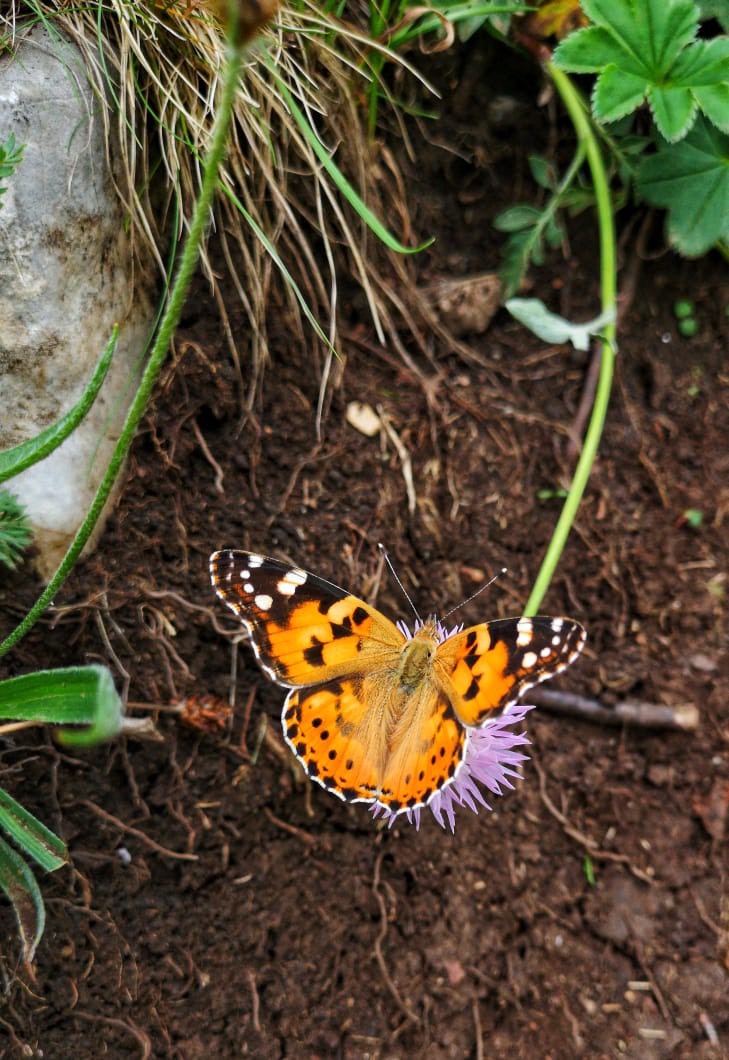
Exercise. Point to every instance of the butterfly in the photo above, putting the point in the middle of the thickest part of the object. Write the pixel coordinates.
(375, 715)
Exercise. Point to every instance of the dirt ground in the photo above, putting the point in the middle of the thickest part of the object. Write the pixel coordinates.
(218, 904)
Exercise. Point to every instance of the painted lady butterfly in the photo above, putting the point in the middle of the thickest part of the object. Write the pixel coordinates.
(375, 715)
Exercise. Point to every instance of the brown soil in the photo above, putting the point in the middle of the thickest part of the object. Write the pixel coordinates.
(218, 904)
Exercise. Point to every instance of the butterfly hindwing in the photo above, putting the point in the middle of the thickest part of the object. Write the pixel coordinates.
(339, 733)
(490, 666)
(303, 629)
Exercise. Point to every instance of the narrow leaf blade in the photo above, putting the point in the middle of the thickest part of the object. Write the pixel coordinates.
(39, 842)
(23, 893)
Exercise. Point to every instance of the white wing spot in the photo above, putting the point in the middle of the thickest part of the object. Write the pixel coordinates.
(557, 624)
(556, 641)
(263, 602)
(529, 659)
(295, 576)
(545, 653)
(248, 587)
(285, 587)
(524, 632)
(245, 575)
(255, 561)
(229, 575)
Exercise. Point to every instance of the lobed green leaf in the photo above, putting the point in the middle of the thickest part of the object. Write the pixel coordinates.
(648, 48)
(552, 328)
(691, 180)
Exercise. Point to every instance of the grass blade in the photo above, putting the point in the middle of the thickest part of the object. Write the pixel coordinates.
(39, 842)
(24, 895)
(321, 152)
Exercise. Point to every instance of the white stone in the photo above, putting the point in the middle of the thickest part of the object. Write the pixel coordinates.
(66, 276)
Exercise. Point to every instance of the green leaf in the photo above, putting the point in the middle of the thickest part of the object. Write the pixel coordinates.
(533, 314)
(11, 155)
(691, 179)
(714, 102)
(674, 109)
(693, 517)
(28, 832)
(542, 172)
(648, 48)
(516, 218)
(586, 51)
(77, 695)
(19, 884)
(617, 93)
(13, 461)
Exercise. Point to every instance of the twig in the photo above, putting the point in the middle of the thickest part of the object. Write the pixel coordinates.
(17, 726)
(209, 457)
(291, 828)
(255, 1003)
(406, 463)
(141, 1036)
(136, 832)
(477, 1029)
(247, 717)
(381, 938)
(587, 400)
(682, 716)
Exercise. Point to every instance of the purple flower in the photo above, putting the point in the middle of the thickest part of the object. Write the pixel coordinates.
(491, 760)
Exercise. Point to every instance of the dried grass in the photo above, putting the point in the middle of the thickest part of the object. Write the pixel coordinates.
(155, 68)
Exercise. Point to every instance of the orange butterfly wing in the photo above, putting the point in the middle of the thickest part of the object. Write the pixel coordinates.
(303, 629)
(485, 669)
(367, 741)
(353, 730)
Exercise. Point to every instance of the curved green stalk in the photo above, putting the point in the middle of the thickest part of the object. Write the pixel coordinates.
(608, 284)
(188, 263)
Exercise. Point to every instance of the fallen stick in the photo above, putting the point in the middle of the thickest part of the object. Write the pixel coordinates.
(683, 716)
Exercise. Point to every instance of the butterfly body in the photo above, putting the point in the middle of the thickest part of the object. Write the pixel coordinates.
(374, 715)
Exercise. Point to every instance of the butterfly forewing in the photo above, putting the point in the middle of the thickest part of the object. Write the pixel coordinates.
(303, 629)
(490, 666)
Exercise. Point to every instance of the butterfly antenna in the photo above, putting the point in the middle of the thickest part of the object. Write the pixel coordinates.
(473, 596)
(384, 552)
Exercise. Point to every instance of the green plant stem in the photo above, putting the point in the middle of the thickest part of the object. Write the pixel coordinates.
(608, 288)
(188, 262)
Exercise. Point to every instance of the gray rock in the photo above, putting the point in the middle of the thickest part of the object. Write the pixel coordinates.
(66, 276)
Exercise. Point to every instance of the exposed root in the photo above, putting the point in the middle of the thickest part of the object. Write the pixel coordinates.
(404, 1008)
(130, 830)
